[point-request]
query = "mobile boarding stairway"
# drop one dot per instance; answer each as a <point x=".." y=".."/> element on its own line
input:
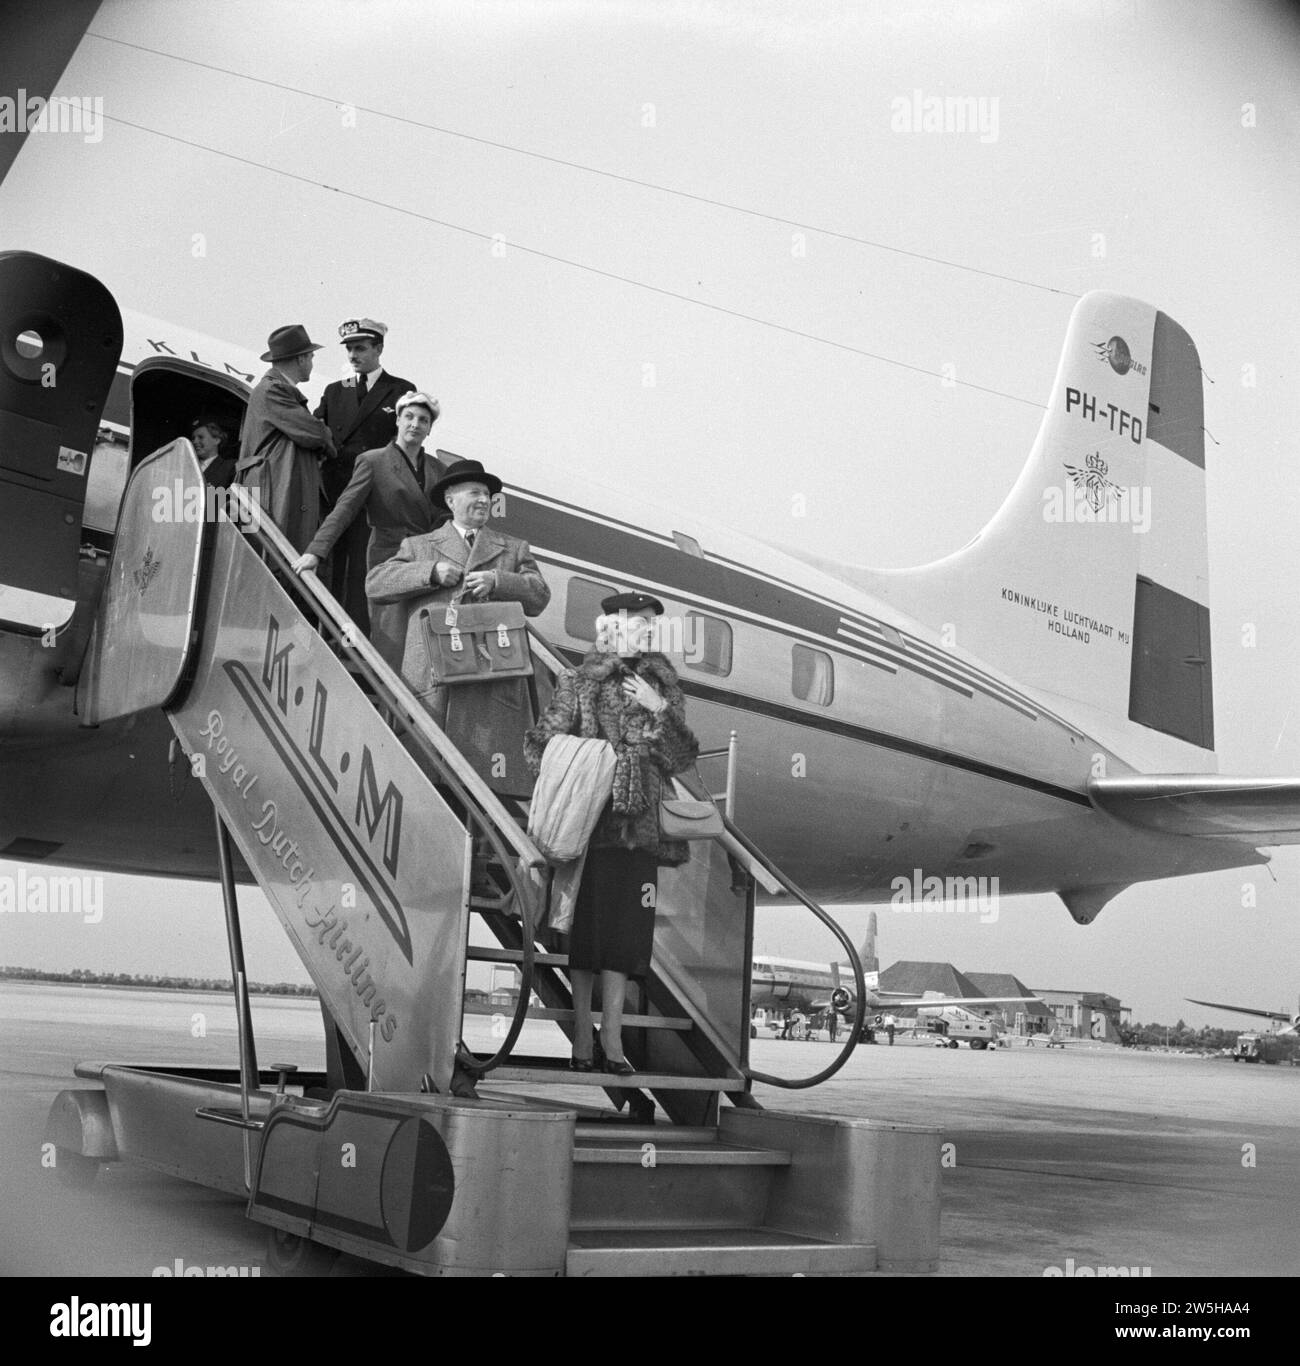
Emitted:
<point x="433" y="1142"/>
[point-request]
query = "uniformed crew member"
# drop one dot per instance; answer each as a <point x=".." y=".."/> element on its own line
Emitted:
<point x="361" y="411"/>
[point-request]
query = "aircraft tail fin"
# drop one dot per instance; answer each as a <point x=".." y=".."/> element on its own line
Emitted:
<point x="1091" y="583"/>
<point x="870" y="963"/>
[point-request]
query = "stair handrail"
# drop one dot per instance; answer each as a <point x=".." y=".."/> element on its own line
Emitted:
<point x="554" y="662"/>
<point x="514" y="849"/>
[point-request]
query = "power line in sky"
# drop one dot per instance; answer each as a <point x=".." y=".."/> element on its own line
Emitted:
<point x="597" y="170"/>
<point x="568" y="261"/>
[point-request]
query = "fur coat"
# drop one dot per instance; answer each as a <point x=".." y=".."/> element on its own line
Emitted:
<point x="589" y="702"/>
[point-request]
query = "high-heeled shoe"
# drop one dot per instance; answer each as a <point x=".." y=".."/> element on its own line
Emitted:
<point x="619" y="1067"/>
<point x="581" y="1065"/>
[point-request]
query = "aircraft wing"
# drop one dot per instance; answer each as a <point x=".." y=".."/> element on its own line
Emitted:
<point x="1206" y="805"/>
<point x="1244" y="1010"/>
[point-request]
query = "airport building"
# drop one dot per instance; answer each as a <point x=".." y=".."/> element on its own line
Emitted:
<point x="1069" y="1014"/>
<point x="1086" y="1014"/>
<point x="913" y="978"/>
<point x="1016" y="1017"/>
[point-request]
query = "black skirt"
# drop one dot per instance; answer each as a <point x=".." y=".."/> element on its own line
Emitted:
<point x="613" y="930"/>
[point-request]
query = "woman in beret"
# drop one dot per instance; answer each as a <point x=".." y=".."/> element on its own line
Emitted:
<point x="629" y="696"/>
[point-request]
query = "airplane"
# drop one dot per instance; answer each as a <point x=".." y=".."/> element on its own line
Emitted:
<point x="1036" y="707"/>
<point x="788" y="984"/>
<point x="1292" y="1022"/>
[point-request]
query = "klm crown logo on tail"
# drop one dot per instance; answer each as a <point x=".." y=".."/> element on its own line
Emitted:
<point x="1093" y="484"/>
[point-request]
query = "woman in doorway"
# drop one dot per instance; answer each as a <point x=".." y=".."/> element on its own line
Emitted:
<point x="628" y="695"/>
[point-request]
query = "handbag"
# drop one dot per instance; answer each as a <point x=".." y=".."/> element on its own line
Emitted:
<point x="477" y="642"/>
<point x="686" y="817"/>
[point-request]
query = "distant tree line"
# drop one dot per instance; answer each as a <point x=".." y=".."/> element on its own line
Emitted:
<point x="154" y="981"/>
<point x="1180" y="1035"/>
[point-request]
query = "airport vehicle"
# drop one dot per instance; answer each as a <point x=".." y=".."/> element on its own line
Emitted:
<point x="952" y="1029"/>
<point x="1275" y="1045"/>
<point x="1253" y="1047"/>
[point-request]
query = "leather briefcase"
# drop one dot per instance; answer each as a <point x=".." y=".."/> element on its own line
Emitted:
<point x="477" y="642"/>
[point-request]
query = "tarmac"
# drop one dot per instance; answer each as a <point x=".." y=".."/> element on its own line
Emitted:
<point x="1058" y="1159"/>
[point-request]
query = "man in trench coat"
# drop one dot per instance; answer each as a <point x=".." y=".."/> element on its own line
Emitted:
<point x="282" y="443"/>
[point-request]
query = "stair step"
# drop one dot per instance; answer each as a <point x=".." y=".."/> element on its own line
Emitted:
<point x="560" y="1075"/>
<point x="680" y="1023"/>
<point x="624" y="1132"/>
<point x="618" y="1152"/>
<point x="484" y="953"/>
<point x="711" y="1251"/>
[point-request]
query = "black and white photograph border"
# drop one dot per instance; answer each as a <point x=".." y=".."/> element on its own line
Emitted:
<point x="828" y="325"/>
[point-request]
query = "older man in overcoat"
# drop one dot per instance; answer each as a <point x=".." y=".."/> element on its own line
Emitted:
<point x="464" y="555"/>
<point x="282" y="444"/>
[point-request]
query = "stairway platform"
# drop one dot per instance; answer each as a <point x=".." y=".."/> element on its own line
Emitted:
<point x="618" y="1151"/>
<point x="711" y="1251"/>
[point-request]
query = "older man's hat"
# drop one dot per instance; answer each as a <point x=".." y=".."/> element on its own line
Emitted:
<point x="287" y="342"/>
<point x="634" y="604"/>
<point x="362" y="329"/>
<point x="463" y="472"/>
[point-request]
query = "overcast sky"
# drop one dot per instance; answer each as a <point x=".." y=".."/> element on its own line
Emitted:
<point x="366" y="156"/>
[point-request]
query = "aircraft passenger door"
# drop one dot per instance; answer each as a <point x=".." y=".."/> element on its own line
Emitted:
<point x="60" y="341"/>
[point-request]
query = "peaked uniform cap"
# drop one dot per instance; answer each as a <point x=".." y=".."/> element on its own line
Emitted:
<point x="362" y="329"/>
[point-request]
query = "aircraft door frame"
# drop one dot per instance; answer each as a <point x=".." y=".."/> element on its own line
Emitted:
<point x="60" y="343"/>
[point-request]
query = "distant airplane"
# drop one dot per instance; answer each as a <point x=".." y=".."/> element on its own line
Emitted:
<point x="1292" y="1022"/>
<point x="788" y="984"/>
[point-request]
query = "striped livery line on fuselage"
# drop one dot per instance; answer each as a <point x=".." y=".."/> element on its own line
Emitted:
<point x="613" y="546"/>
<point x="603" y="567"/>
<point x="799" y="612"/>
<point x="849" y="730"/>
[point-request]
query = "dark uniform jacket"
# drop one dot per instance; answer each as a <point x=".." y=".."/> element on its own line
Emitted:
<point x="357" y="429"/>
<point x="221" y="472"/>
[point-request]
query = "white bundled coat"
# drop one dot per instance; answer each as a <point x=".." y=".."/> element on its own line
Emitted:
<point x="573" y="785"/>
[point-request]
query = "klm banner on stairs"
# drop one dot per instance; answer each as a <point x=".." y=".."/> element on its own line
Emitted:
<point x="361" y="859"/>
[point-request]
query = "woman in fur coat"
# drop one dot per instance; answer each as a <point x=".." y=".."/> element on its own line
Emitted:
<point x="631" y="698"/>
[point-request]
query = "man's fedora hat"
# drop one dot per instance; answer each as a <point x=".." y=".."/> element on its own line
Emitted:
<point x="464" y="472"/>
<point x="362" y="329"/>
<point x="287" y="342"/>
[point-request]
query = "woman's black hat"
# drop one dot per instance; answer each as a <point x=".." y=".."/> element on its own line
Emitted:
<point x="634" y="604"/>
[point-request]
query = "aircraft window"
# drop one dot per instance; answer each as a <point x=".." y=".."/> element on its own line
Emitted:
<point x="582" y="607"/>
<point x="812" y="675"/>
<point x="708" y="644"/>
